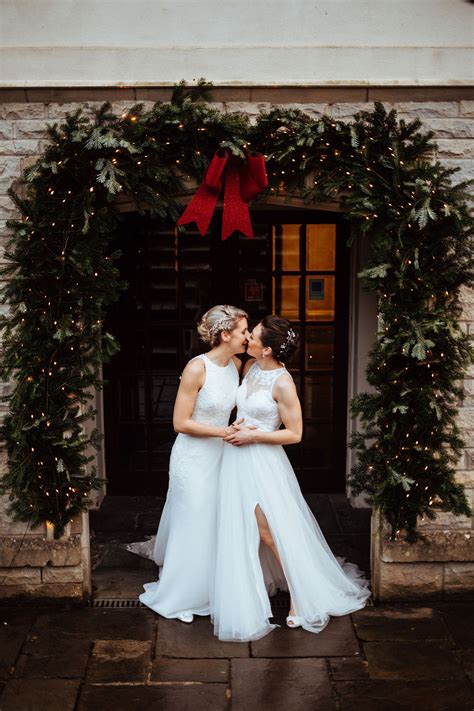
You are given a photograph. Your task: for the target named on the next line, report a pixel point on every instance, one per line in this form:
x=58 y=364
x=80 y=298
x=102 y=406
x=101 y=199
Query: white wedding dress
x=247 y=572
x=184 y=547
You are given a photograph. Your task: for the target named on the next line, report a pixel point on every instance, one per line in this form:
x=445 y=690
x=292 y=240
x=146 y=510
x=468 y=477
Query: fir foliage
x=61 y=277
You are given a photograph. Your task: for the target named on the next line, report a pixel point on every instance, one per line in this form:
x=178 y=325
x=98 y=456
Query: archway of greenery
x=60 y=278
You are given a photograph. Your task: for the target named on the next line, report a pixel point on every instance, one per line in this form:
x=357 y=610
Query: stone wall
x=33 y=565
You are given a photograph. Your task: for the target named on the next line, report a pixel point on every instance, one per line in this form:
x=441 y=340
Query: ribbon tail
x=235 y=212
x=253 y=177
x=202 y=206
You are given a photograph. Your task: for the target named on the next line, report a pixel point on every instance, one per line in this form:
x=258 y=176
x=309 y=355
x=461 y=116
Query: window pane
x=320 y=298
x=321 y=247
x=286 y=248
x=286 y=297
x=163 y=395
x=253 y=252
x=319 y=348
x=164 y=349
x=318 y=397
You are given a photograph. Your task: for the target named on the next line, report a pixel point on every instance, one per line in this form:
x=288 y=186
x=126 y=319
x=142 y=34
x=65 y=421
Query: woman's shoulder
x=248 y=364
x=194 y=368
x=284 y=382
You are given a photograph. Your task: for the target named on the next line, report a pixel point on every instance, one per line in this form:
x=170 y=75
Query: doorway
x=297 y=266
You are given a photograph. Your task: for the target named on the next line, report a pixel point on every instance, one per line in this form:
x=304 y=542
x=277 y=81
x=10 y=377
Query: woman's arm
x=192 y=380
x=290 y=412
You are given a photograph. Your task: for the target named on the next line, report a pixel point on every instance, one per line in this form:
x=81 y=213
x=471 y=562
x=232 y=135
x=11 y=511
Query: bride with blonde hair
x=184 y=548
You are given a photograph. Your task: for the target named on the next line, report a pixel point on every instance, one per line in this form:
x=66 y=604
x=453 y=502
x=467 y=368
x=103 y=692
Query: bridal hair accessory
x=290 y=336
x=219 y=325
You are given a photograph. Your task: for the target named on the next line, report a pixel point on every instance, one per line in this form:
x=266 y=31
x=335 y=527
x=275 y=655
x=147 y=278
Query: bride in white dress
x=184 y=547
x=267 y=536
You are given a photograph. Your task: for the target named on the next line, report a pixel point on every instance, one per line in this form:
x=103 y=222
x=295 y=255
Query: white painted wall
x=249 y=42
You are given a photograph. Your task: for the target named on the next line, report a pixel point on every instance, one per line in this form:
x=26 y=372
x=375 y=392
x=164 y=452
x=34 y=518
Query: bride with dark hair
x=267 y=537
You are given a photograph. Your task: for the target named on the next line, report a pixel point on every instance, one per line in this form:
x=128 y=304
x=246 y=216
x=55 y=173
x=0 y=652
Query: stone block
x=410 y=581
x=17 y=576
x=337 y=639
x=9 y=527
x=348 y=110
x=8 y=209
x=400 y=624
x=58 y=111
x=6 y=130
x=248 y=108
x=466 y=108
x=62 y=574
x=398 y=694
x=25 y=147
x=428 y=109
x=313 y=110
x=140 y=697
x=30 y=129
x=466 y=171
x=37 y=551
x=202 y=670
x=22 y=111
x=455 y=148
x=450 y=128
x=194 y=641
x=66 y=591
x=459 y=578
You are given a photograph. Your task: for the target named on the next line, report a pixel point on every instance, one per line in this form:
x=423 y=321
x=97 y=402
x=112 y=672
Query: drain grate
x=117 y=603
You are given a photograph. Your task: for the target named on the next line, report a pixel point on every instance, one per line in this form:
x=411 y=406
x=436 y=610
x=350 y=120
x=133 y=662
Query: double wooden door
x=296 y=266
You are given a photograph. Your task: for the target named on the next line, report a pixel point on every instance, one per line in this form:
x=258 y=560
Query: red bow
x=243 y=181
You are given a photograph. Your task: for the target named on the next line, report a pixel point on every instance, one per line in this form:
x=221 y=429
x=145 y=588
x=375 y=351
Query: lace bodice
x=216 y=398
x=255 y=401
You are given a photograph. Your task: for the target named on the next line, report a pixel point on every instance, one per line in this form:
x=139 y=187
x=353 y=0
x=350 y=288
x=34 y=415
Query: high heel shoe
x=292 y=621
x=187 y=617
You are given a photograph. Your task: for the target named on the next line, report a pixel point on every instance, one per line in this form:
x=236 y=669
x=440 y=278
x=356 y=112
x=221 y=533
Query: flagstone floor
x=383 y=658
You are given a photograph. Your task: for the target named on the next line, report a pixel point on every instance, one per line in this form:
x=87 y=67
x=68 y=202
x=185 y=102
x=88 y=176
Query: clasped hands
x=238 y=434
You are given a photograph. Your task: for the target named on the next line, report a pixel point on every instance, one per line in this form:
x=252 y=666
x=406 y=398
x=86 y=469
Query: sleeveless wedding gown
x=184 y=547
x=247 y=572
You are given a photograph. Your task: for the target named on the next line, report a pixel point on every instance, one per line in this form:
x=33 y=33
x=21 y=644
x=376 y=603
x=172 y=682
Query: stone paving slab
x=281 y=684
x=460 y=622
x=210 y=670
x=178 y=639
x=100 y=624
x=411 y=660
x=399 y=624
x=121 y=660
x=348 y=668
x=385 y=695
x=40 y=695
x=53 y=654
x=337 y=639
x=191 y=697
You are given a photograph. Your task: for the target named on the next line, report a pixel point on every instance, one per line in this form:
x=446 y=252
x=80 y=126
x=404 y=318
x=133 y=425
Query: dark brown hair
x=278 y=334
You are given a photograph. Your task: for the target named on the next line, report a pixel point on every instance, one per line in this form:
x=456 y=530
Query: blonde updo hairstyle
x=219 y=318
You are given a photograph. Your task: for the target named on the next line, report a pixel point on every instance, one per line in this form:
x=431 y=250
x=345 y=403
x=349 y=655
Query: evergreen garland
x=61 y=277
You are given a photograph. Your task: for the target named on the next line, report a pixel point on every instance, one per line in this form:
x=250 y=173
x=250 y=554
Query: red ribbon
x=243 y=181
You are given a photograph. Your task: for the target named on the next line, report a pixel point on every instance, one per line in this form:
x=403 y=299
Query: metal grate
x=117 y=603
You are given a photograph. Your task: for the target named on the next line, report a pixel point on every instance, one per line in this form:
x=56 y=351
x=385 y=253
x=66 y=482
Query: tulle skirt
x=246 y=572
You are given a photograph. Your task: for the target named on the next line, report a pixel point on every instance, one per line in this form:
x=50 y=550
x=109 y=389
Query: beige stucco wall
x=246 y=43
x=31 y=564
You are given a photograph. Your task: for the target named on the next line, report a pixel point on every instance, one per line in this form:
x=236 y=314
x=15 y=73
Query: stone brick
x=8 y=210
x=19 y=148
x=454 y=148
x=62 y=574
x=450 y=128
x=249 y=109
x=411 y=660
x=443 y=545
x=467 y=108
x=211 y=670
x=35 y=550
x=10 y=167
x=399 y=624
x=407 y=581
x=6 y=130
x=314 y=110
x=57 y=111
x=427 y=109
x=346 y=111
x=459 y=577
x=15 y=576
x=22 y=111
x=466 y=171
x=30 y=129
x=9 y=527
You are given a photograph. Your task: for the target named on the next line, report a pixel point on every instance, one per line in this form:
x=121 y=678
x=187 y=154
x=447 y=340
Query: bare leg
x=267 y=538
